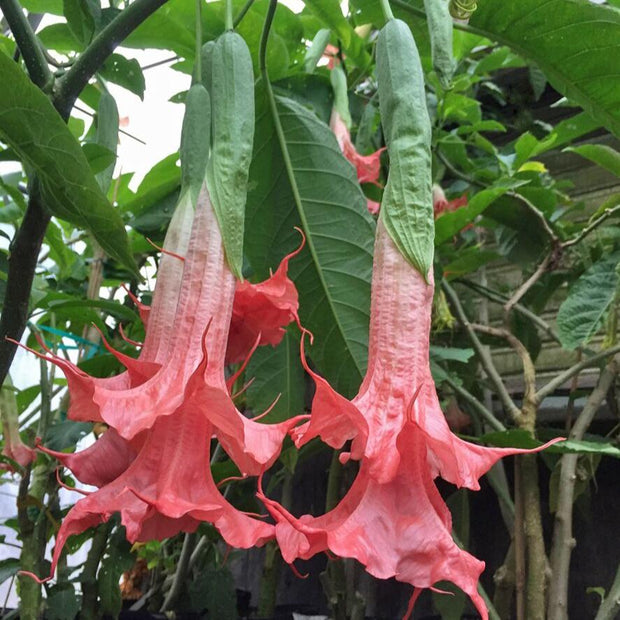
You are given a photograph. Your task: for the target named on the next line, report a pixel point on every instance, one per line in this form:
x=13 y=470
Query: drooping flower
x=168 y=420
x=442 y=205
x=368 y=167
x=262 y=311
x=393 y=519
x=14 y=448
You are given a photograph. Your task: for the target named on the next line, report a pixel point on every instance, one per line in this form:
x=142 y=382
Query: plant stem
x=562 y=378
x=73 y=82
x=28 y=44
x=500 y=299
x=483 y=354
x=27 y=242
x=563 y=541
x=229 y=15
x=197 y=77
x=485 y=413
x=180 y=575
x=590 y=227
x=242 y=13
x=88 y=578
x=387 y=10
x=611 y=603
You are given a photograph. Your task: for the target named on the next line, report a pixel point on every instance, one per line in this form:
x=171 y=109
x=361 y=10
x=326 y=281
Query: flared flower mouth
x=393 y=519
x=152 y=464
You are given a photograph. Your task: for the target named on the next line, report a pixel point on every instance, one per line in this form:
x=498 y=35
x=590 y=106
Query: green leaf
x=451 y=354
x=468 y=261
x=99 y=157
x=43 y=6
x=576 y=45
x=82 y=16
x=519 y=438
x=118 y=559
x=600 y=154
x=589 y=298
x=8 y=568
x=63 y=435
x=125 y=72
x=214 y=589
x=62 y=603
x=59 y=38
x=107 y=136
x=33 y=128
x=320 y=192
x=277 y=370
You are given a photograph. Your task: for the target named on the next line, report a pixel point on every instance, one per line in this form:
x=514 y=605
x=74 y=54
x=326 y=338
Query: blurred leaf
x=589 y=298
x=316 y=49
x=63 y=435
x=99 y=157
x=8 y=568
x=469 y=260
x=118 y=558
x=451 y=223
x=333 y=271
x=33 y=128
x=277 y=370
x=59 y=38
x=125 y=72
x=83 y=17
x=330 y=13
x=450 y=354
x=43 y=6
x=605 y=156
x=62 y=602
x=214 y=590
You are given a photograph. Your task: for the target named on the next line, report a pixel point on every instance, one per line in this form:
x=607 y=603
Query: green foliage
x=33 y=128
x=582 y=313
x=333 y=272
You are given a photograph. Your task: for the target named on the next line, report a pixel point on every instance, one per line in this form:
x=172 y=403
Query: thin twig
x=244 y=9
x=487 y=414
x=159 y=63
x=483 y=355
x=180 y=575
x=562 y=378
x=527 y=285
x=125 y=133
x=563 y=541
x=590 y=227
x=500 y=299
x=610 y=607
x=88 y=63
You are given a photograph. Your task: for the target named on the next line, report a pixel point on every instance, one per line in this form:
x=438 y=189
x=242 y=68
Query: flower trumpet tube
x=393 y=519
x=169 y=420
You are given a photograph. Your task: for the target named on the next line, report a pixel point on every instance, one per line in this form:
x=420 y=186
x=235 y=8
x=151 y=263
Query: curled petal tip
x=36 y=578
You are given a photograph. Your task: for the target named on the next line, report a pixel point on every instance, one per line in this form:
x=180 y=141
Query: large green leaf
x=588 y=301
x=600 y=154
x=36 y=132
x=575 y=43
x=277 y=370
x=572 y=41
x=333 y=272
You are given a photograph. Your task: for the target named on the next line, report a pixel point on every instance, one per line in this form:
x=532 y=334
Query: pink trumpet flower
x=393 y=519
x=368 y=167
x=168 y=420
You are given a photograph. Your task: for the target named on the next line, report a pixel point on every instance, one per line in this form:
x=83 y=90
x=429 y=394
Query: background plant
x=516 y=213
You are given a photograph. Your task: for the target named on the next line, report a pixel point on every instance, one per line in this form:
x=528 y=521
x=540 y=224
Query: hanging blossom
x=161 y=425
x=442 y=205
x=368 y=167
x=393 y=519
